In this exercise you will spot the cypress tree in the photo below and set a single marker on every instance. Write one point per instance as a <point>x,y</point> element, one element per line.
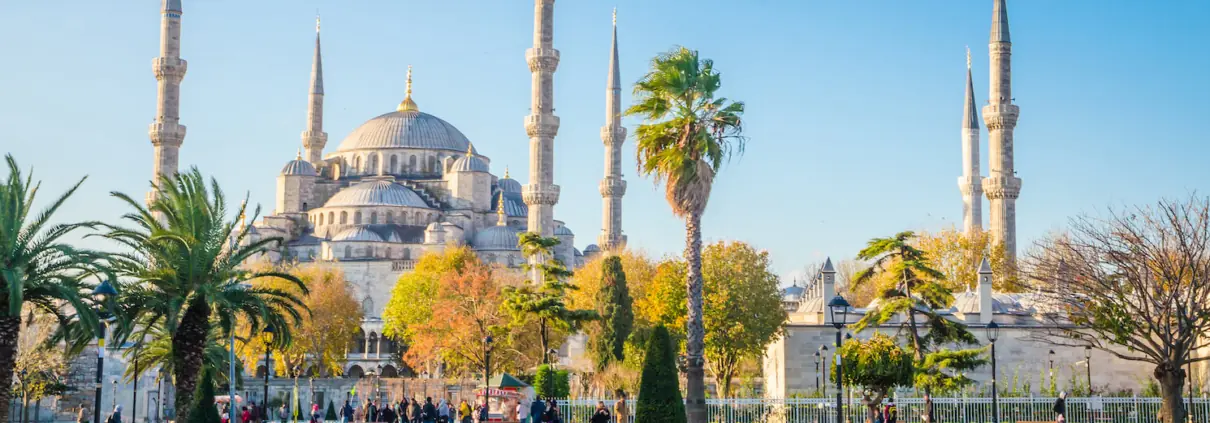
<point>204,410</point>
<point>617,314</point>
<point>331,414</point>
<point>659,386</point>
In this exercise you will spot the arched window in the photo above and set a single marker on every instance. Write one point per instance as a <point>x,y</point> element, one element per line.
<point>390,217</point>
<point>412,164</point>
<point>367,306</point>
<point>321,218</point>
<point>357,164</point>
<point>373,218</point>
<point>344,217</point>
<point>373,343</point>
<point>355,372</point>
<point>372,165</point>
<point>407,254</point>
<point>433,165</point>
<point>357,218</point>
<point>359,342</point>
<point>331,218</point>
<point>388,252</point>
<point>394,164</point>
<point>348,251</point>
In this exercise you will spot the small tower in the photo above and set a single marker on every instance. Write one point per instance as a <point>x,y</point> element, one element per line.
<point>167,134</point>
<point>985,292</point>
<point>469,182</point>
<point>314,138</point>
<point>969,182</point>
<point>1000,115</point>
<point>295,186</point>
<point>829,288</point>
<point>613,134</point>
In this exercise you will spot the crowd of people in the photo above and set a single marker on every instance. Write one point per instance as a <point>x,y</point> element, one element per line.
<point>428,411</point>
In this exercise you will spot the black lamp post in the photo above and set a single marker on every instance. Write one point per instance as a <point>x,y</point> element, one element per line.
<point>1088,363</point>
<point>487,370</point>
<point>839,309</point>
<point>993,333</point>
<point>817,371</point>
<point>377,385</point>
<point>823,357</point>
<point>267,337</point>
<point>1051,357</point>
<point>102,293</point>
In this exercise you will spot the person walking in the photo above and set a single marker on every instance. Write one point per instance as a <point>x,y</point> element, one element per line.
<point>602,415</point>
<point>283,413</point>
<point>621,410</point>
<point>927,415</point>
<point>537,410</point>
<point>890,413</point>
<point>443,411</point>
<point>522,410</point>
<point>429,413</point>
<point>82,415</point>
<point>481,413</point>
<point>464,412</point>
<point>415,412</point>
<point>1060,408</point>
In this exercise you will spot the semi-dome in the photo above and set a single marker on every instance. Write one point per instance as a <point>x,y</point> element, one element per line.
<point>469,163</point>
<point>792,293</point>
<point>497,238</point>
<point>377,193</point>
<point>592,248</point>
<point>405,129</point>
<point>298,167</point>
<point>357,234</point>
<point>564,231</point>
<point>509,185</point>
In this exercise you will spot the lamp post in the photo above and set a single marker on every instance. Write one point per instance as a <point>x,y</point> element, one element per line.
<point>294,406</point>
<point>823,351</point>
<point>1050,356</point>
<point>993,333</point>
<point>266,336</point>
<point>1088,363</point>
<point>839,309</point>
<point>848,395</point>
<point>817,371</point>
<point>102,293</point>
<point>487,370</point>
<point>231,365</point>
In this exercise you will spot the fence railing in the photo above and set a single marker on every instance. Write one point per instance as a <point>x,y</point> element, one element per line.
<point>945,410</point>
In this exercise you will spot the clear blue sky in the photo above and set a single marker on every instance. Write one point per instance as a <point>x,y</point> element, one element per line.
<point>854,108</point>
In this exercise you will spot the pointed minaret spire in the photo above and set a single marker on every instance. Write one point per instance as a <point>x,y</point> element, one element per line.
<point>613,134</point>
<point>1000,115</point>
<point>969,182</point>
<point>407,105</point>
<point>313,137</point>
<point>166,133</point>
<point>501,217</point>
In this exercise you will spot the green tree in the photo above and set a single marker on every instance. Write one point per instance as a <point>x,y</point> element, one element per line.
<point>203,409</point>
<point>156,352</point>
<point>550,382</point>
<point>878,366</point>
<point>411,302</point>
<point>617,315</point>
<point>686,136</point>
<point>185,265</point>
<point>36,268</point>
<point>545,301</point>
<point>331,414</point>
<point>914,288</point>
<point>659,387</point>
<point>957,255</point>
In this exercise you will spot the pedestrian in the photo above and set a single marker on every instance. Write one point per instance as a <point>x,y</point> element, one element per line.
<point>226,416</point>
<point>537,409</point>
<point>464,412</point>
<point>371,411</point>
<point>523,410</point>
<point>482,412</point>
<point>927,415</point>
<point>549,414</point>
<point>429,413</point>
<point>346,413</point>
<point>878,417</point>
<point>1060,408</point>
<point>283,413</point>
<point>621,410</point>
<point>245,416</point>
<point>415,412</point>
<point>602,414</point>
<point>890,413</point>
<point>443,412</point>
<point>82,415</point>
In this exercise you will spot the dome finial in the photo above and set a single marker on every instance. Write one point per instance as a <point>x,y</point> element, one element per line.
<point>470,149</point>
<point>506,172</point>
<point>968,57</point>
<point>502,220</point>
<point>408,105</point>
<point>298,155</point>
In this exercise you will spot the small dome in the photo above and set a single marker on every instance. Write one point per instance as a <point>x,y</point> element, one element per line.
<point>592,248</point>
<point>496,238</point>
<point>357,234</point>
<point>469,163</point>
<point>509,185</point>
<point>377,193</point>
<point>298,167</point>
<point>563,231</point>
<point>792,293</point>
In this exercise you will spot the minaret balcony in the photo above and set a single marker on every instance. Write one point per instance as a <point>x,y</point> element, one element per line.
<point>166,133</point>
<point>611,134</point>
<point>542,126</point>
<point>1000,115</point>
<point>613,187</point>
<point>1002,187</point>
<point>170,68</point>
<point>542,59</point>
<point>540,194</point>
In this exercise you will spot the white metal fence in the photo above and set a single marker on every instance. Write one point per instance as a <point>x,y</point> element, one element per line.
<point>945,410</point>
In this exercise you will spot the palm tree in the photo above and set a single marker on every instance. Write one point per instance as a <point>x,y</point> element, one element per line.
<point>36,268</point>
<point>686,136</point>
<point>185,264</point>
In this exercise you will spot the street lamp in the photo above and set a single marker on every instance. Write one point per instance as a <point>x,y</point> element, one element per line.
<point>993,333</point>
<point>839,309</point>
<point>231,365</point>
<point>102,293</point>
<point>823,351</point>
<point>295,413</point>
<point>1088,363</point>
<point>487,370</point>
<point>266,336</point>
<point>378,385</point>
<point>816,371</point>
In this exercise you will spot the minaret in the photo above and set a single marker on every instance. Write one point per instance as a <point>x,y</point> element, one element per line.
<point>1000,115</point>
<point>314,138</point>
<point>542,125</point>
<point>613,134</point>
<point>166,132</point>
<point>968,183</point>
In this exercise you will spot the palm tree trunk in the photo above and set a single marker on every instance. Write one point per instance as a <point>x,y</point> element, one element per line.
<point>10,329</point>
<point>188,346</point>
<point>695,385</point>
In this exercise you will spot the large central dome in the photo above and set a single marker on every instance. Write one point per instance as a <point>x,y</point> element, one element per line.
<point>405,129</point>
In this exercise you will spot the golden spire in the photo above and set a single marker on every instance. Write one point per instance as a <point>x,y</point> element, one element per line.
<point>470,149</point>
<point>506,172</point>
<point>407,105</point>
<point>298,155</point>
<point>502,220</point>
